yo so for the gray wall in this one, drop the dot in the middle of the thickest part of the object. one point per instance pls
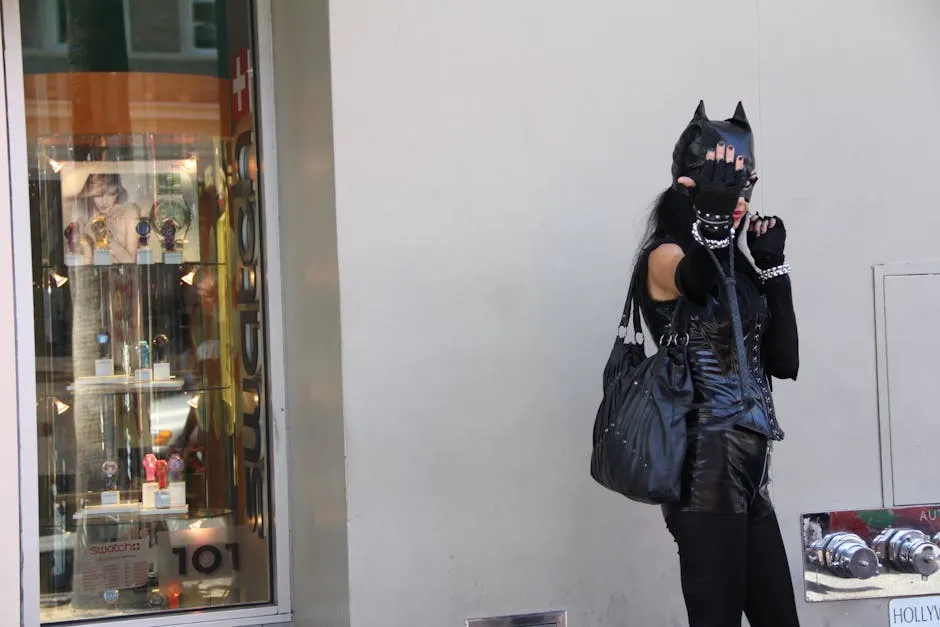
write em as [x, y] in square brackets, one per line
[493, 164]
[320, 577]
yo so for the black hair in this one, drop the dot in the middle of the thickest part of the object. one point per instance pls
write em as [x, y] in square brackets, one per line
[670, 219]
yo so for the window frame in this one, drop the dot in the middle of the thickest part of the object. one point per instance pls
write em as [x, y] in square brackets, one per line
[21, 444]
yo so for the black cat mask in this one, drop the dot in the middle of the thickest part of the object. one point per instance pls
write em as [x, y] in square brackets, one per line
[702, 134]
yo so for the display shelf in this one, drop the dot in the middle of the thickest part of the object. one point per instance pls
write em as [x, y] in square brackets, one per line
[57, 542]
[120, 384]
[133, 510]
[132, 387]
[62, 268]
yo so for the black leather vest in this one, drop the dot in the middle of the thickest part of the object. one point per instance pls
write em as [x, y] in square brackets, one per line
[712, 354]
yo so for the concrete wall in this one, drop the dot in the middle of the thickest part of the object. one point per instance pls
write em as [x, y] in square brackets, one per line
[320, 577]
[493, 164]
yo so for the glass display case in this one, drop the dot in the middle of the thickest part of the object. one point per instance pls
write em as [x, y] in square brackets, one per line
[149, 309]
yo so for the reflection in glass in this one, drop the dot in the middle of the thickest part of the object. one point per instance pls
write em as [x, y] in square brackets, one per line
[150, 358]
[863, 554]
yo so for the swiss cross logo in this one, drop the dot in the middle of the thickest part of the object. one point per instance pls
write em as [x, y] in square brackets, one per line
[241, 100]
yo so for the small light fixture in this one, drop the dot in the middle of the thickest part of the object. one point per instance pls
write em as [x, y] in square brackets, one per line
[60, 406]
[58, 279]
[189, 277]
[56, 165]
[194, 401]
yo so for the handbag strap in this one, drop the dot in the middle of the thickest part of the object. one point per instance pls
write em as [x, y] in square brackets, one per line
[631, 308]
[730, 284]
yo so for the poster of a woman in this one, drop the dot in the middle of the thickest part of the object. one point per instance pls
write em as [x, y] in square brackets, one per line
[104, 204]
[107, 217]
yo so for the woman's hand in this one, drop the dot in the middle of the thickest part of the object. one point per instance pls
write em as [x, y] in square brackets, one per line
[718, 188]
[766, 238]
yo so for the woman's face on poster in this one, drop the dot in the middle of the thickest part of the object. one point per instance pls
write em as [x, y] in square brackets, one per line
[105, 202]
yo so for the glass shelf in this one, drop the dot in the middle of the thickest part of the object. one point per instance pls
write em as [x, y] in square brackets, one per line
[153, 388]
[63, 269]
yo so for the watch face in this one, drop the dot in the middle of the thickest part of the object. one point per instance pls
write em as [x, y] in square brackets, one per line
[175, 463]
[99, 229]
[143, 228]
[103, 339]
[173, 208]
[160, 344]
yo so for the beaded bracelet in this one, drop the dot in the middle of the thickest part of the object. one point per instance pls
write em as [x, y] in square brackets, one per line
[710, 243]
[771, 273]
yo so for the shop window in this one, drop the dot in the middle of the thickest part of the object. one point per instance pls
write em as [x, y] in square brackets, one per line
[152, 404]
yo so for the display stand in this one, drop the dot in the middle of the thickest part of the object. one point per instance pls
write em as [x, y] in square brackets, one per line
[137, 375]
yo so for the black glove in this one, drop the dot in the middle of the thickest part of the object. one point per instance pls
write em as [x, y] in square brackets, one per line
[717, 189]
[767, 249]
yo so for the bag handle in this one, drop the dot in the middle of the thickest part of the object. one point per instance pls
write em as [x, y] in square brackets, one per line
[632, 315]
[631, 310]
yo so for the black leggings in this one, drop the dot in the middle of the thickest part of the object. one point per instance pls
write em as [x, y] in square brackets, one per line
[730, 564]
[731, 555]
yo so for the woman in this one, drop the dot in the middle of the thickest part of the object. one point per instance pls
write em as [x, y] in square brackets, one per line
[108, 220]
[731, 554]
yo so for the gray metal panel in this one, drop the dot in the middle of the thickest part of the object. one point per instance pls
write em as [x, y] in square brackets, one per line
[911, 306]
[539, 619]
[906, 297]
[313, 376]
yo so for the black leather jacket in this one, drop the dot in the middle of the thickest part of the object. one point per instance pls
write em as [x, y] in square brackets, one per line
[712, 354]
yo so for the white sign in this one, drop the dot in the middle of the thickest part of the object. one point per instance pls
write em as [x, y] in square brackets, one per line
[920, 611]
[113, 565]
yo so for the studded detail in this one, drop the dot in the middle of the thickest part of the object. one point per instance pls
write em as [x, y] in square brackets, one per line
[770, 273]
[714, 366]
[710, 243]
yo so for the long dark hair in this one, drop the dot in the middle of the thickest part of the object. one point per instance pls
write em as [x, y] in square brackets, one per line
[670, 219]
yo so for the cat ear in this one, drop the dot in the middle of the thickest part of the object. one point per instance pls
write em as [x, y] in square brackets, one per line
[740, 116]
[700, 111]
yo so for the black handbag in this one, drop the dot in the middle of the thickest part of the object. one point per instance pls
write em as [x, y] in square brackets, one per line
[640, 435]
[640, 432]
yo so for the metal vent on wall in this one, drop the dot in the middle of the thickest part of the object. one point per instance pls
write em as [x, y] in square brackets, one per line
[541, 619]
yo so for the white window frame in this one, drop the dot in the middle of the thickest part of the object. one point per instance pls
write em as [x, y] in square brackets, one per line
[20, 443]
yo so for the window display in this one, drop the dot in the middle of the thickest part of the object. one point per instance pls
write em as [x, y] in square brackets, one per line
[150, 317]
